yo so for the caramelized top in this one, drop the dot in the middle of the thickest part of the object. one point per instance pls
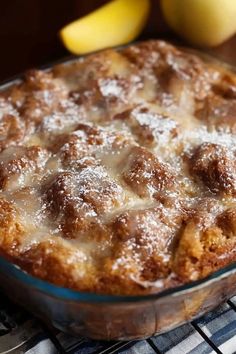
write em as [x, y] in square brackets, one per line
[118, 170]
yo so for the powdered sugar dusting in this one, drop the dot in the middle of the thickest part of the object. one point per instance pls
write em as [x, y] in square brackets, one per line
[110, 87]
[202, 135]
[160, 126]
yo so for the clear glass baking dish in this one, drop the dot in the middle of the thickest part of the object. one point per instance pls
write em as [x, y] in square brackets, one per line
[116, 317]
[107, 317]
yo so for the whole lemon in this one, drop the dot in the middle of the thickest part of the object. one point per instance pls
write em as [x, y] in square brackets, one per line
[201, 22]
[115, 23]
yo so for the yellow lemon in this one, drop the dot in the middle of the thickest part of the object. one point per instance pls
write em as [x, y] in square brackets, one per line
[115, 23]
[201, 22]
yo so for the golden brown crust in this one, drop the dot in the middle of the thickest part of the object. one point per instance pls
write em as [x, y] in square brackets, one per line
[145, 174]
[215, 165]
[19, 163]
[118, 171]
[11, 232]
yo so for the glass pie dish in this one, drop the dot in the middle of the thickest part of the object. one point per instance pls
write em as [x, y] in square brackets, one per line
[116, 317]
[112, 317]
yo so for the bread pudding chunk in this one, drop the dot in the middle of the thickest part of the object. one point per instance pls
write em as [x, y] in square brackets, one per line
[215, 165]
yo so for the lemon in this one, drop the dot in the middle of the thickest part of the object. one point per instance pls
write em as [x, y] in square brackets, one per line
[201, 22]
[117, 22]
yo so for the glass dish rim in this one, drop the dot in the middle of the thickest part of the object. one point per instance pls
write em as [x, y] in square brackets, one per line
[74, 295]
[53, 290]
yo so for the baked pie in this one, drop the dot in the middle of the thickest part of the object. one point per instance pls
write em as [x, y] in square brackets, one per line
[118, 170]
